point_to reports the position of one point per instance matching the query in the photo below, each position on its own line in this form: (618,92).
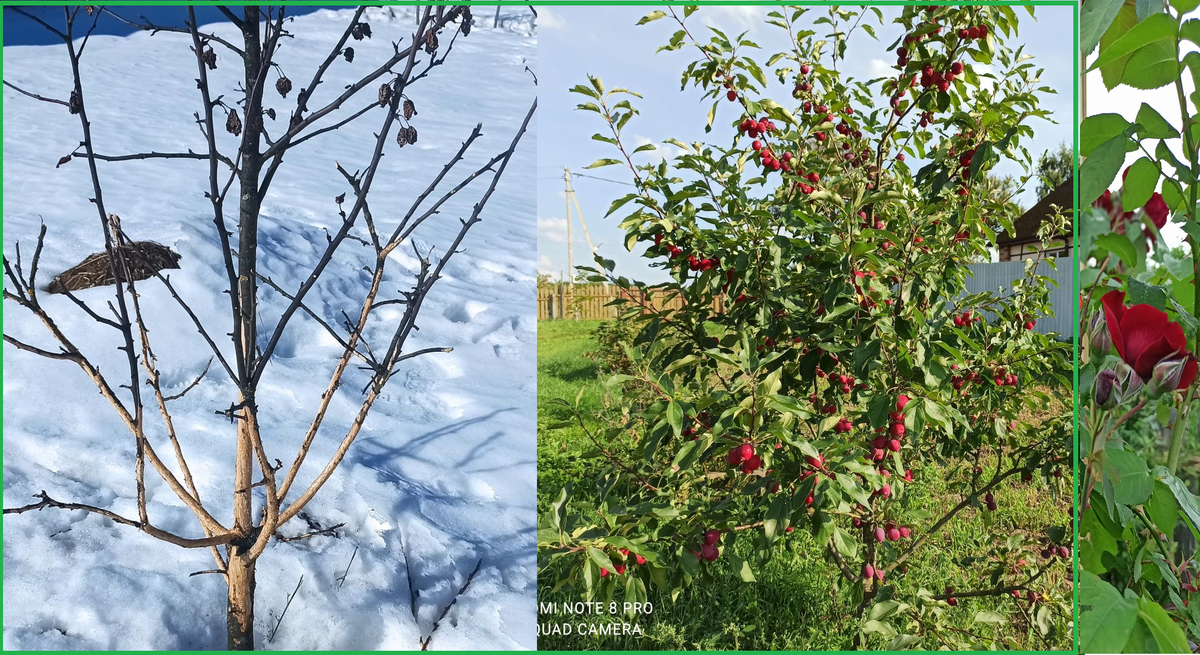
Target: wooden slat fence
(590,301)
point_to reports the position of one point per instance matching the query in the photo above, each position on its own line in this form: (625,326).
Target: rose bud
(1167,374)
(1101,339)
(1128,381)
(1104,394)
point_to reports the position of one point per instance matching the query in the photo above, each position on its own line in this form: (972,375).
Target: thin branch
(461,591)
(35,96)
(147,26)
(161,155)
(191,386)
(285,609)
(54,30)
(199,326)
(342,578)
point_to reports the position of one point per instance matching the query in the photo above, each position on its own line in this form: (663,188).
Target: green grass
(792,606)
(562,371)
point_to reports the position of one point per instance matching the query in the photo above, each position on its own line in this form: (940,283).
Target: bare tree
(265,492)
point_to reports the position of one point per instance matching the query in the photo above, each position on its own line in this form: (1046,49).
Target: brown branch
(35,96)
(46,501)
(160,155)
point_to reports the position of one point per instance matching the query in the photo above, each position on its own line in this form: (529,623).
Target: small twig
(35,96)
(192,575)
(463,590)
(342,580)
(285,609)
(194,383)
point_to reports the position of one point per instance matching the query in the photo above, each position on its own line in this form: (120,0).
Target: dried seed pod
(412,134)
(283,85)
(402,136)
(75,104)
(210,58)
(340,199)
(65,159)
(366,29)
(348,53)
(431,42)
(385,95)
(90,9)
(360,30)
(409,109)
(233,124)
(271,112)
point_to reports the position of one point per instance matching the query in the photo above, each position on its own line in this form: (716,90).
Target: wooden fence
(591,301)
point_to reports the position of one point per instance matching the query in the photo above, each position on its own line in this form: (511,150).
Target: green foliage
(1138,590)
(1054,167)
(612,339)
(825,349)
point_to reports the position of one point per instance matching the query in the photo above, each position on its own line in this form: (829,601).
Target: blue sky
(20,30)
(605,41)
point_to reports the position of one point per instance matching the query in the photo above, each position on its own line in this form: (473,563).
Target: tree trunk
(241,602)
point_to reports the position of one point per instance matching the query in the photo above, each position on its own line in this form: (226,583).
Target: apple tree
(827,355)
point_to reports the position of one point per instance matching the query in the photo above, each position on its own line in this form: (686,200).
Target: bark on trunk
(241,602)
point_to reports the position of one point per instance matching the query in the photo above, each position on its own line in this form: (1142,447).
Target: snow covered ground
(444,472)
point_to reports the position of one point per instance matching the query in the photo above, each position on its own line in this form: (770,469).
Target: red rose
(1144,336)
(1156,208)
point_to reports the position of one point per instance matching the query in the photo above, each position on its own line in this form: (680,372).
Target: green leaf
(994,618)
(1094,19)
(1098,171)
(1098,128)
(1184,6)
(1111,72)
(1188,503)
(1106,618)
(652,16)
(1133,484)
(1142,293)
(610,162)
(1154,126)
(675,417)
(1140,183)
(1119,245)
(1152,67)
(1163,509)
(600,559)
(1159,27)
(1167,635)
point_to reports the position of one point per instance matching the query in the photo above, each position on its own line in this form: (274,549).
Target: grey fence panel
(999,276)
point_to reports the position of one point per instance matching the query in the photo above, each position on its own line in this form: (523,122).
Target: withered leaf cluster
(233,124)
(406,135)
(283,85)
(360,30)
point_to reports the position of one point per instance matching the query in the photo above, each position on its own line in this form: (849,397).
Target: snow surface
(443,473)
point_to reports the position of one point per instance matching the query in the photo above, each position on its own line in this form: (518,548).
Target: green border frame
(643,3)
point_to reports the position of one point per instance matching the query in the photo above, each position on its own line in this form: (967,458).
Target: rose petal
(1189,373)
(1114,309)
(1143,332)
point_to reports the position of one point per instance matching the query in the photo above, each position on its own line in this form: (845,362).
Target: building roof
(1026,226)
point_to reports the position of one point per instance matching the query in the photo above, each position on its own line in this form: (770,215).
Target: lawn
(792,606)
